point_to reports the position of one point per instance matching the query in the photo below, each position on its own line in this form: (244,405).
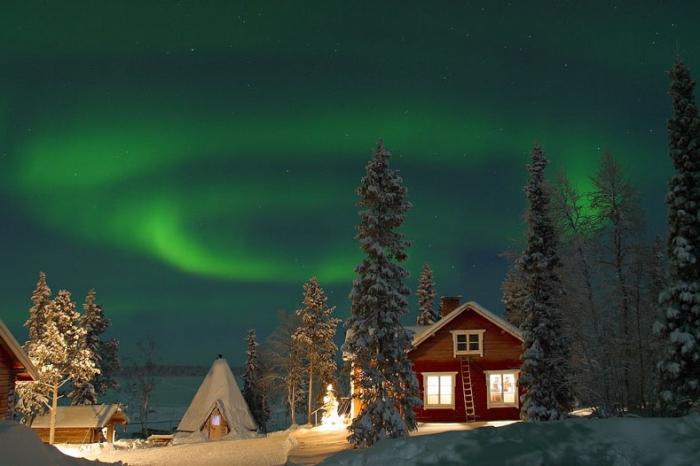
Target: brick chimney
(448,304)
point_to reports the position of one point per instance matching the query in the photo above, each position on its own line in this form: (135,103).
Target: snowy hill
(594,442)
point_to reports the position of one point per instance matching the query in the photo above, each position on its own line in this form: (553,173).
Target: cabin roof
(89,416)
(17,353)
(423,332)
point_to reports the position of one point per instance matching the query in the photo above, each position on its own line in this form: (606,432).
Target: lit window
(502,389)
(439,390)
(468,342)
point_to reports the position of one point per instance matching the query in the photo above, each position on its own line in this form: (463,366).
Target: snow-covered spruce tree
(427,313)
(545,370)
(377,343)
(252,389)
(315,337)
(679,320)
(32,397)
(36,321)
(59,355)
(104,352)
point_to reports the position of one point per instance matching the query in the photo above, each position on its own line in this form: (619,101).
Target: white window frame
(479,332)
(491,404)
(425,390)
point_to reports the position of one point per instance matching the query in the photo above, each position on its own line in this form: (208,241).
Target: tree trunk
(144,418)
(625,317)
(597,335)
(292,409)
(311,392)
(54,407)
(640,344)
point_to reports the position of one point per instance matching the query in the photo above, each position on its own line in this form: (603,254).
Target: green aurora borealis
(196,162)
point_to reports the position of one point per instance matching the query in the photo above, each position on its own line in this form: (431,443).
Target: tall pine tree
(33,397)
(315,337)
(37,319)
(60,355)
(679,321)
(377,344)
(427,313)
(545,370)
(104,353)
(252,386)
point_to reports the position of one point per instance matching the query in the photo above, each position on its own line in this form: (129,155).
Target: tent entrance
(216,425)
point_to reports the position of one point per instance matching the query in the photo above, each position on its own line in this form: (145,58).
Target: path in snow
(312,446)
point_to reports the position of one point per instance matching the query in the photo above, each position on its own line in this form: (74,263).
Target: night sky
(196,164)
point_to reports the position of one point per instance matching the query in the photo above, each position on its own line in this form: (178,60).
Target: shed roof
(17,353)
(89,416)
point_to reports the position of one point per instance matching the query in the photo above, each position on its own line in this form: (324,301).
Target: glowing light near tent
(331,419)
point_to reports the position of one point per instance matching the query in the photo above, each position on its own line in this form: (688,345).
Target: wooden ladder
(467,389)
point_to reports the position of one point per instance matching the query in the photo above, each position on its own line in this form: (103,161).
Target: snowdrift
(595,442)
(19,446)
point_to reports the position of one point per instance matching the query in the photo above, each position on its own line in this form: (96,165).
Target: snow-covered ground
(19,446)
(595,442)
(264,451)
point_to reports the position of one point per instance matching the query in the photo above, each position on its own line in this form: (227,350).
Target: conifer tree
(315,339)
(32,397)
(60,355)
(427,313)
(36,321)
(377,344)
(679,321)
(545,370)
(104,354)
(252,387)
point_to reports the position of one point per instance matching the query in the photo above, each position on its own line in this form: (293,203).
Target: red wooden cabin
(467,365)
(15,366)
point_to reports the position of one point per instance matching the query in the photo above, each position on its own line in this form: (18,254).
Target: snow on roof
(89,416)
(218,389)
(430,330)
(22,447)
(16,351)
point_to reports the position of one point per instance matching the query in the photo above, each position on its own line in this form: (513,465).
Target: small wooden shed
(82,424)
(14,366)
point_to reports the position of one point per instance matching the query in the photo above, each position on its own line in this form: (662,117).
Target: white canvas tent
(218,410)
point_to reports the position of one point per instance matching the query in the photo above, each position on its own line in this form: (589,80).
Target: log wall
(7,381)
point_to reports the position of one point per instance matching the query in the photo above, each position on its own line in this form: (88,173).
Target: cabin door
(217,425)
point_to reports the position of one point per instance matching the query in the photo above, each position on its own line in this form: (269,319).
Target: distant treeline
(164,370)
